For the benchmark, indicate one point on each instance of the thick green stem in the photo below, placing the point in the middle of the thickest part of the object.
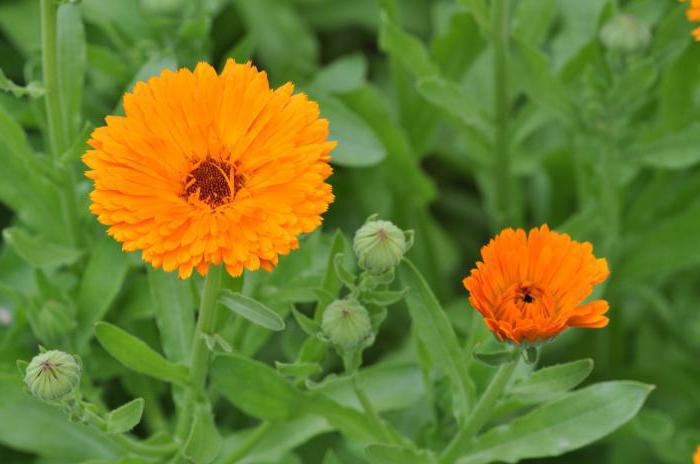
(199, 363)
(480, 415)
(250, 443)
(504, 184)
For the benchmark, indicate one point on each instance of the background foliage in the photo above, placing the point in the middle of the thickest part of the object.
(603, 145)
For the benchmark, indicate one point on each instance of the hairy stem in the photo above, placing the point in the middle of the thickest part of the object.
(481, 413)
(199, 364)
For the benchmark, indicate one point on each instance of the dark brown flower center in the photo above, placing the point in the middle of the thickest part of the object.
(215, 182)
(527, 298)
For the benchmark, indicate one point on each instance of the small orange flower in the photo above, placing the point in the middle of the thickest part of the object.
(696, 456)
(531, 286)
(693, 14)
(209, 169)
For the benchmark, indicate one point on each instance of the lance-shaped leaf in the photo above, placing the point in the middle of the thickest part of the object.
(252, 310)
(204, 441)
(125, 417)
(551, 380)
(137, 355)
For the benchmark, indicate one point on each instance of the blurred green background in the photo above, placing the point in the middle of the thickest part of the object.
(599, 133)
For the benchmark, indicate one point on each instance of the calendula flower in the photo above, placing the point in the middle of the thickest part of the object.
(693, 14)
(532, 286)
(696, 456)
(209, 169)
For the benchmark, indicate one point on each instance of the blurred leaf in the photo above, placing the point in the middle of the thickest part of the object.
(384, 297)
(243, 50)
(358, 145)
(496, 358)
(173, 305)
(547, 381)
(33, 89)
(563, 425)
(252, 310)
(308, 325)
(125, 417)
(654, 426)
(20, 22)
(433, 328)
(343, 75)
(137, 355)
(298, 370)
(40, 428)
(579, 27)
(392, 454)
(480, 12)
(533, 20)
(101, 282)
(204, 443)
(676, 150)
(72, 61)
(405, 48)
(38, 252)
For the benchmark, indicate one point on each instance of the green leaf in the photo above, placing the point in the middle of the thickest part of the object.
(343, 75)
(393, 454)
(343, 274)
(72, 62)
(563, 425)
(252, 310)
(173, 305)
(675, 150)
(358, 145)
(34, 89)
(298, 370)
(540, 83)
(385, 297)
(480, 12)
(433, 328)
(405, 48)
(137, 355)
(125, 417)
(38, 252)
(255, 388)
(455, 101)
(243, 50)
(551, 380)
(496, 358)
(204, 441)
(308, 325)
(102, 279)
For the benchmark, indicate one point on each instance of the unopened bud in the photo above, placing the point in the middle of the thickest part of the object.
(626, 34)
(52, 375)
(346, 323)
(379, 246)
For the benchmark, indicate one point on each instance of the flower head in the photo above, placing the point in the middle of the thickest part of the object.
(696, 456)
(379, 246)
(52, 375)
(693, 14)
(209, 169)
(532, 286)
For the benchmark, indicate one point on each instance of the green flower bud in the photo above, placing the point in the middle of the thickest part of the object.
(346, 323)
(626, 33)
(52, 375)
(379, 246)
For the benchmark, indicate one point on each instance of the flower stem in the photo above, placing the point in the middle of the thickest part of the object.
(389, 435)
(481, 413)
(54, 115)
(504, 185)
(250, 442)
(199, 363)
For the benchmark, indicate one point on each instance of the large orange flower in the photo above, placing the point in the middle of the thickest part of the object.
(693, 13)
(209, 169)
(696, 456)
(531, 287)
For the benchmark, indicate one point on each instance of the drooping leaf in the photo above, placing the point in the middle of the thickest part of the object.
(563, 425)
(137, 355)
(552, 380)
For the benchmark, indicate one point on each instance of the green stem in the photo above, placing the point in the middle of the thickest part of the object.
(389, 435)
(250, 443)
(481, 413)
(135, 446)
(49, 61)
(199, 363)
(504, 185)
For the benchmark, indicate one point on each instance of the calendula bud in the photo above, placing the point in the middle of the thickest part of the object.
(626, 33)
(52, 375)
(379, 246)
(346, 324)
